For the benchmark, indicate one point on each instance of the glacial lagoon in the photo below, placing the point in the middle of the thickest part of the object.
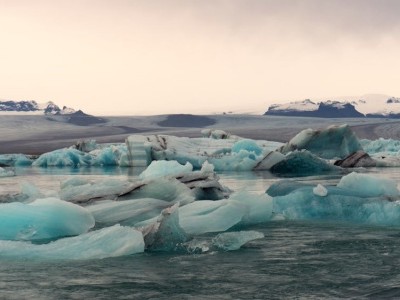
(301, 255)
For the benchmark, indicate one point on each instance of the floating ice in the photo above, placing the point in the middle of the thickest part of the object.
(320, 190)
(369, 186)
(127, 212)
(62, 158)
(107, 242)
(15, 160)
(112, 155)
(229, 241)
(167, 189)
(302, 163)
(333, 142)
(6, 173)
(258, 208)
(269, 160)
(226, 241)
(381, 146)
(357, 198)
(86, 145)
(43, 219)
(165, 234)
(357, 159)
(159, 169)
(210, 216)
(79, 190)
(247, 145)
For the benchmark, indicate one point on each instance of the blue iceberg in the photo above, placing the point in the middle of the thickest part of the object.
(107, 242)
(332, 142)
(41, 219)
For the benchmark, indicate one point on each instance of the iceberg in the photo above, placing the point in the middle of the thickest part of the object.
(165, 234)
(6, 173)
(167, 189)
(159, 169)
(111, 155)
(41, 219)
(257, 208)
(63, 157)
(129, 212)
(368, 185)
(381, 146)
(356, 160)
(210, 216)
(228, 153)
(107, 242)
(332, 142)
(78, 190)
(301, 163)
(229, 241)
(15, 160)
(357, 198)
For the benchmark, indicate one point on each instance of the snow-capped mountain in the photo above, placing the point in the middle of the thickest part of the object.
(32, 107)
(372, 106)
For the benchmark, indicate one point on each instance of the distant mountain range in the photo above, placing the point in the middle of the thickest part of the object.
(370, 106)
(48, 108)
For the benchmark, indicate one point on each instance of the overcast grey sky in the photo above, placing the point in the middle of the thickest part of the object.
(169, 56)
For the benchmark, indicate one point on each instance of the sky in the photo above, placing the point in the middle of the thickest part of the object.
(127, 57)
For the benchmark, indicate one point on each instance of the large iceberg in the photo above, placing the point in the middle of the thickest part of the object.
(107, 242)
(231, 153)
(357, 198)
(41, 219)
(333, 142)
(302, 163)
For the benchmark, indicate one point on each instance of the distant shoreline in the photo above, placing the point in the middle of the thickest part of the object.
(36, 135)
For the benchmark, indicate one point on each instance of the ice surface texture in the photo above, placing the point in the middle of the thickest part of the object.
(333, 142)
(108, 242)
(358, 198)
(43, 219)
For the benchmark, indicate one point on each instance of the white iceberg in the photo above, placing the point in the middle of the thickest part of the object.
(210, 216)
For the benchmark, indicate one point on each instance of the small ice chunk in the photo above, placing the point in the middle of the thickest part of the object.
(229, 241)
(165, 168)
(247, 145)
(6, 173)
(320, 190)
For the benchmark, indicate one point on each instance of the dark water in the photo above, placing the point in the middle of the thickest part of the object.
(295, 260)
